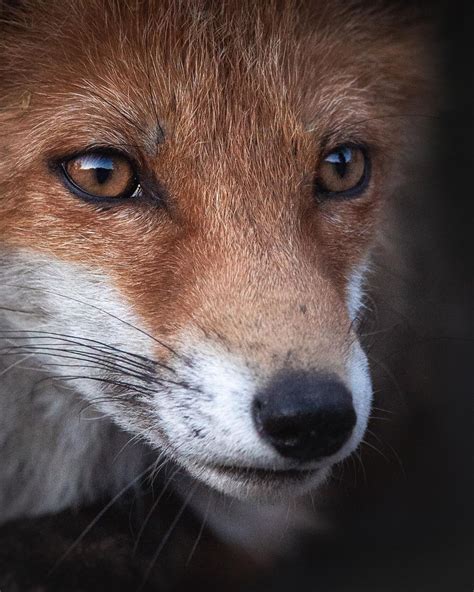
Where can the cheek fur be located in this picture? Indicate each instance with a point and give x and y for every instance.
(193, 399)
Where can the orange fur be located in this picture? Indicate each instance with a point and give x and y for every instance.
(247, 94)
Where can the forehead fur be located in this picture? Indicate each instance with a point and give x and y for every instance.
(213, 73)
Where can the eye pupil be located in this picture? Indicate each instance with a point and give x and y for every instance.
(341, 165)
(102, 175)
(340, 159)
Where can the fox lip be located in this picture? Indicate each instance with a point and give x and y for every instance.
(255, 483)
(257, 474)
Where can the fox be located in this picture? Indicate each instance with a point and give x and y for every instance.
(192, 196)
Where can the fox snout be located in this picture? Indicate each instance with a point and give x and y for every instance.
(280, 390)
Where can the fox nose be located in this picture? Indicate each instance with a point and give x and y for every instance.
(305, 416)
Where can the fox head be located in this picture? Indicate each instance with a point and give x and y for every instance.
(189, 196)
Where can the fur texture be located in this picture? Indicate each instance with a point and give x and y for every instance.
(165, 315)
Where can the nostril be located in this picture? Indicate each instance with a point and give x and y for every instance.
(305, 416)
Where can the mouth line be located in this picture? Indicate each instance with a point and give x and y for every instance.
(255, 473)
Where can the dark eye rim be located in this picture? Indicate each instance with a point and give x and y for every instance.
(323, 194)
(132, 189)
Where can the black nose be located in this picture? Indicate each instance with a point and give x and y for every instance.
(305, 416)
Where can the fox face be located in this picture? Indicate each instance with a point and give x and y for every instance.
(190, 194)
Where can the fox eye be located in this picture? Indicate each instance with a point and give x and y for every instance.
(100, 175)
(343, 172)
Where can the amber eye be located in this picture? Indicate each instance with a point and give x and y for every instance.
(100, 175)
(343, 172)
